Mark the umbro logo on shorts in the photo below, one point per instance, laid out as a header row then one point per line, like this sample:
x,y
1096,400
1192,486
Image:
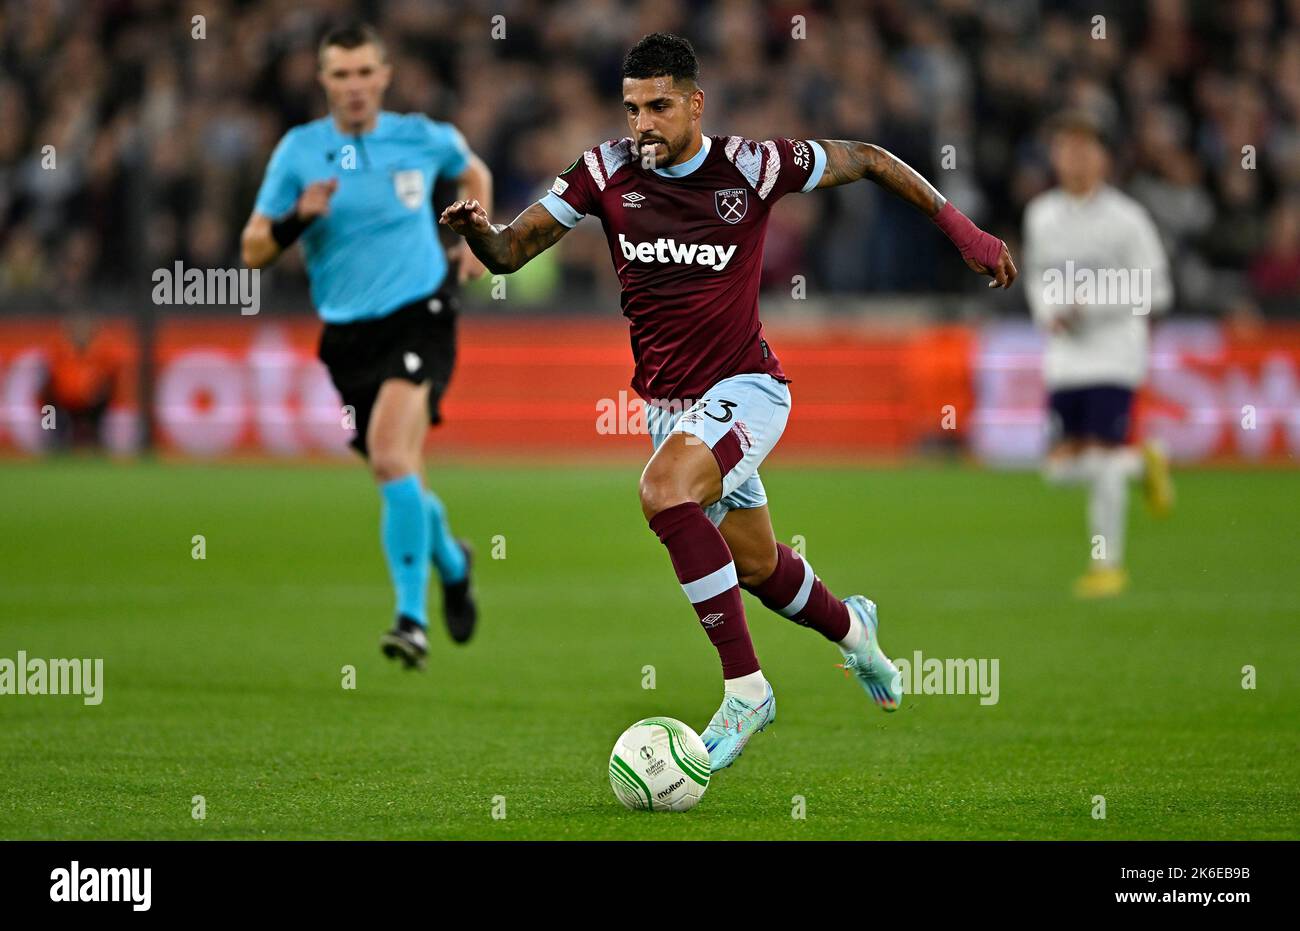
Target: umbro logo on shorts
x,y
412,362
711,620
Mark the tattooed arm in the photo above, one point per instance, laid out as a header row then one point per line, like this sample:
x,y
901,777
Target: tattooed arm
x,y
852,161
504,249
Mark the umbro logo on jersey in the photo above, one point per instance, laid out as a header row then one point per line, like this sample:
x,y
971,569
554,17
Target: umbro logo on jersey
x,y
633,200
412,362
670,251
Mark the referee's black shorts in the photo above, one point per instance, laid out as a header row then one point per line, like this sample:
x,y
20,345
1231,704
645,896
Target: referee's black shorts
x,y
416,343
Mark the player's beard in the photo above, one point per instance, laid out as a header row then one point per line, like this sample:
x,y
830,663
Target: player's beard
x,y
671,151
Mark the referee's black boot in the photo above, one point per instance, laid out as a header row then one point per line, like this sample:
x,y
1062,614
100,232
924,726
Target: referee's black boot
x,y
407,642
458,607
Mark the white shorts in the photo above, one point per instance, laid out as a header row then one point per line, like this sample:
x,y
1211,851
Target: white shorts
x,y
740,419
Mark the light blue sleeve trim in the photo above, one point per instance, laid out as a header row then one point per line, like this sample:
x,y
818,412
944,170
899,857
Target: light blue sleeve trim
x,y
559,208
818,168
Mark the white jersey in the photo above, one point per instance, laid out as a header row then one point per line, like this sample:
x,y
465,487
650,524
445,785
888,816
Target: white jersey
x,y
1102,256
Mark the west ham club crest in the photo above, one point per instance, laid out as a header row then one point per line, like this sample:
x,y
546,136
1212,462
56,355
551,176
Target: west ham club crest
x,y
731,203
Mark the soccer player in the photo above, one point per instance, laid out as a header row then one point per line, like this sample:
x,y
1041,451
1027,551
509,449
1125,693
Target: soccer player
x,y
1079,238
685,216
356,187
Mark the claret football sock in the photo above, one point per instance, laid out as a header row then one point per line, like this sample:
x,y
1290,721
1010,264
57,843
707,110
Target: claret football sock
x,y
404,530
708,576
447,554
794,591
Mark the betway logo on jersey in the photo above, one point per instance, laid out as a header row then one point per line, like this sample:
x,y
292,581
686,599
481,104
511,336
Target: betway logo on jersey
x,y
670,251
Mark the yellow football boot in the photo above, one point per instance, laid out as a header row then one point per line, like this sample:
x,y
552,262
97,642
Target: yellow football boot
x,y
1156,482
1101,582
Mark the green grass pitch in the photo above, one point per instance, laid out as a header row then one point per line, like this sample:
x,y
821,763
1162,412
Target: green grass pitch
x,y
223,676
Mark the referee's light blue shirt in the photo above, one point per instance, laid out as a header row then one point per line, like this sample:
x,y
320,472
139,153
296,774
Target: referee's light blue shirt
x,y
377,248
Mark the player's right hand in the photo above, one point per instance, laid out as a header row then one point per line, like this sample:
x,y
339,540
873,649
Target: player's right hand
x,y
1067,321
315,199
466,217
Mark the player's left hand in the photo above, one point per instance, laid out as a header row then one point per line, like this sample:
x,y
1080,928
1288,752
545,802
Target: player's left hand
x,y
1003,273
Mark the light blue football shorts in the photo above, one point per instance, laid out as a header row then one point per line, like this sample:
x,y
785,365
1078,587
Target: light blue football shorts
x,y
740,419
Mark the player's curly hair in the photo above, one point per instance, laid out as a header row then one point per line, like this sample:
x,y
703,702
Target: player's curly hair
x,y
661,53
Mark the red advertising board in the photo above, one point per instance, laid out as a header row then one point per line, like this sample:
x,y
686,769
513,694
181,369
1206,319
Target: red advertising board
x,y
523,388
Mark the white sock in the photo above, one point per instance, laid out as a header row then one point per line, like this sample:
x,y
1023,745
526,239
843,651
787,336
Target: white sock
x,y
1108,503
1071,470
1128,460
752,688
856,636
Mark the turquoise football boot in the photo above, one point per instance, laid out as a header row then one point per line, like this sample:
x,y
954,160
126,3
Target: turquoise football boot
x,y
877,675
735,722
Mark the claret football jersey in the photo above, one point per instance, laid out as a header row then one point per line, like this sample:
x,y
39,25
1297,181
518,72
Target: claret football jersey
x,y
687,245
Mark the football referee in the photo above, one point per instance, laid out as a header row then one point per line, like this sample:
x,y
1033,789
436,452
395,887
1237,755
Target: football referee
x,y
356,188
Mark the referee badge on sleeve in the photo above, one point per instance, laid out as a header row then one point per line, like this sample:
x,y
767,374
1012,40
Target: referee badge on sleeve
x,y
409,186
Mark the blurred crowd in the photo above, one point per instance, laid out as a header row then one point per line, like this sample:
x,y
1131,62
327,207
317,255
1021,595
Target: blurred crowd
x,y
161,124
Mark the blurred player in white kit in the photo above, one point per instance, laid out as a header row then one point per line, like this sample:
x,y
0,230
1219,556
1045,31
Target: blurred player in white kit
x,y
1096,272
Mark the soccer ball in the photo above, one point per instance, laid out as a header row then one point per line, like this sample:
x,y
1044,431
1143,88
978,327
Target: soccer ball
x,y
659,764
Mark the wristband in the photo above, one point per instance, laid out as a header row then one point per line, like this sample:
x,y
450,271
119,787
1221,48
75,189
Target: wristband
x,y
971,241
286,230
